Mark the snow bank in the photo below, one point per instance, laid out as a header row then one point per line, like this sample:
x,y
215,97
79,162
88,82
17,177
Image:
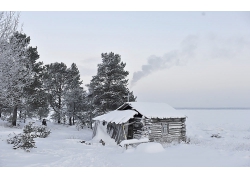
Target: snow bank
x,y
101,133
62,148
150,147
134,141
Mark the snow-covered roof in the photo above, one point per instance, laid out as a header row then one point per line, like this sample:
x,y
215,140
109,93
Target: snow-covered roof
x,y
117,116
154,110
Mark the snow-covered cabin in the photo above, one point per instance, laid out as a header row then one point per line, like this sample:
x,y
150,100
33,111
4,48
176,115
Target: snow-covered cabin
x,y
137,120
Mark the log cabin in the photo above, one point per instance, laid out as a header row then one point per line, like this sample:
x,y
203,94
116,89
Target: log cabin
x,y
157,122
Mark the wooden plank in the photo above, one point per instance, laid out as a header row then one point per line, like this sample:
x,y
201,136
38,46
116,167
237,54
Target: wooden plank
x,y
175,122
118,133
155,134
174,130
175,127
167,120
156,130
156,126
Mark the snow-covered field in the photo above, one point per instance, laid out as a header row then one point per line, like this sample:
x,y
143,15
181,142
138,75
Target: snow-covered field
x,y
62,148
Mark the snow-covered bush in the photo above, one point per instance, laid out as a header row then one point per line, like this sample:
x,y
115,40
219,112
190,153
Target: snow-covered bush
x,y
25,140
36,131
42,131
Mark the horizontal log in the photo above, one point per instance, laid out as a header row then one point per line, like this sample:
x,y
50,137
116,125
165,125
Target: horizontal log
x,y
167,121
173,135
155,129
170,133
156,132
176,124
155,135
176,127
175,130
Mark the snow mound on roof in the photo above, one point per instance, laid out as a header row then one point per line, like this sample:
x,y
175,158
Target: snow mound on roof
x,y
154,110
101,133
116,116
150,147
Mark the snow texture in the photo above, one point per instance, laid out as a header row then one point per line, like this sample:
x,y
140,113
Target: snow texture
x,y
117,116
133,141
63,147
151,147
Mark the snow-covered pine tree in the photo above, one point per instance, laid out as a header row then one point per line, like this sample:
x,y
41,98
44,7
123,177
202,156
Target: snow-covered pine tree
x,y
73,81
75,101
8,25
108,88
34,99
75,96
55,83
15,71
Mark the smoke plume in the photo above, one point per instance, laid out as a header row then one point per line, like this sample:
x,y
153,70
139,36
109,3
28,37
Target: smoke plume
x,y
172,58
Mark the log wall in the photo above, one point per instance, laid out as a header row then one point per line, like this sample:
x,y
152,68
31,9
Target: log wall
x,y
168,130
159,130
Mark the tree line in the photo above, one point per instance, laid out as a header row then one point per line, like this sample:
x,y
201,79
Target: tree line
x,y
29,88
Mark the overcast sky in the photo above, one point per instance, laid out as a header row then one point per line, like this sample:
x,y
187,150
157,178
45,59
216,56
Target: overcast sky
x,y
186,59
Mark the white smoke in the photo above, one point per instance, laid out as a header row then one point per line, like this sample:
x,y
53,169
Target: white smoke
x,y
172,58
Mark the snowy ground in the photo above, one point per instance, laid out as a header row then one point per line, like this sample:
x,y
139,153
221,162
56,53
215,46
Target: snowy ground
x,y
63,148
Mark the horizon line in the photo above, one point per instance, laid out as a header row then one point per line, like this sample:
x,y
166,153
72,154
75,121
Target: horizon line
x,y
212,107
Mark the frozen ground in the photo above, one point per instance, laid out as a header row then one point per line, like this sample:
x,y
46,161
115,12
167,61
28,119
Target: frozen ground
x,y
63,148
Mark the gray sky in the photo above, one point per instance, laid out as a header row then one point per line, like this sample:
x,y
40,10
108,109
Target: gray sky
x,y
186,59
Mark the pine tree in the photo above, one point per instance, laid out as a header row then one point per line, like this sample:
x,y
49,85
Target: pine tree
x,y
108,89
55,83
15,71
74,96
34,102
75,101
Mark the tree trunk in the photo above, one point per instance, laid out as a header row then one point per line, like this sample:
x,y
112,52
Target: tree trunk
x,y
70,123
24,117
59,102
20,114
14,115
91,121
0,113
73,113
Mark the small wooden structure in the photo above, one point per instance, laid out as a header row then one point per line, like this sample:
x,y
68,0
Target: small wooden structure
x,y
136,120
